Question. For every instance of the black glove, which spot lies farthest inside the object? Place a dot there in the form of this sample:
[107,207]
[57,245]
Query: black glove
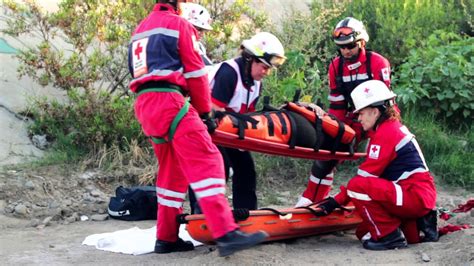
[327,206]
[210,122]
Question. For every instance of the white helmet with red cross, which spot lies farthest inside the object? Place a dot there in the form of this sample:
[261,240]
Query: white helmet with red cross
[197,15]
[349,30]
[371,93]
[267,48]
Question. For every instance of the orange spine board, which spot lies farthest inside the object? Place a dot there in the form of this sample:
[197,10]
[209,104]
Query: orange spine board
[297,223]
[330,126]
[261,132]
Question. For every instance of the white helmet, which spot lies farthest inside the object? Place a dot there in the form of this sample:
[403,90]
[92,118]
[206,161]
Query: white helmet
[349,30]
[371,93]
[266,48]
[196,15]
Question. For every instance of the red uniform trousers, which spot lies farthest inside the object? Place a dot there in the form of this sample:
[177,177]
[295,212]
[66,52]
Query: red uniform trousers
[384,205]
[189,159]
[322,172]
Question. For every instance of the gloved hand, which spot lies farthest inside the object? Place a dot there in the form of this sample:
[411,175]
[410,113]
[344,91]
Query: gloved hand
[327,206]
[210,122]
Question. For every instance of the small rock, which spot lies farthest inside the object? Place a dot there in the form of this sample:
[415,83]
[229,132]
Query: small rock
[67,202]
[51,246]
[84,218]
[21,209]
[95,193]
[40,141]
[47,221]
[425,257]
[35,222]
[99,217]
[54,204]
[70,220]
[30,185]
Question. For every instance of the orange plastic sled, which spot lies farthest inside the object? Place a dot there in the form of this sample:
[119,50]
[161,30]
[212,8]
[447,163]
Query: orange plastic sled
[232,141]
[282,224]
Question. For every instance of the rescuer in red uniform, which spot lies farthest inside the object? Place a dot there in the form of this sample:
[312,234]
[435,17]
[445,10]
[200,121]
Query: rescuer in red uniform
[354,65]
[166,66]
[393,190]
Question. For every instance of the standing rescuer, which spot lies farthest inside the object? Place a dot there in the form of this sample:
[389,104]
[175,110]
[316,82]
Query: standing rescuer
[236,86]
[166,66]
[393,190]
[354,65]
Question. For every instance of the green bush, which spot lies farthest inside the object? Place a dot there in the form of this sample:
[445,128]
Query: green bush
[438,77]
[448,153]
[86,122]
[396,27]
[309,49]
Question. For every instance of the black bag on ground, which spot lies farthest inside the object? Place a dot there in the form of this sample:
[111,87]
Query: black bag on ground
[133,204]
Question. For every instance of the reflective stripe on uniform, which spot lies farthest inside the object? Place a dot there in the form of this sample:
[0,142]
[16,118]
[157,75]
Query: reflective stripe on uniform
[359,196]
[170,203]
[170,193]
[148,33]
[158,72]
[208,187]
[398,194]
[323,181]
[355,77]
[336,98]
[365,173]
[195,74]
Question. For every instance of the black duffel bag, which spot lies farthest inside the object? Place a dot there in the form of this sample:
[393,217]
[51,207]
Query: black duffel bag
[133,204]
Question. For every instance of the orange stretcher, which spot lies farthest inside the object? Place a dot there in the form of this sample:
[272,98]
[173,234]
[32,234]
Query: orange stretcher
[230,140]
[280,224]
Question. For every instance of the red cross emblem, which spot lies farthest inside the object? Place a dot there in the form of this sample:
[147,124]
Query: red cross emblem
[366,90]
[138,51]
[375,148]
[374,151]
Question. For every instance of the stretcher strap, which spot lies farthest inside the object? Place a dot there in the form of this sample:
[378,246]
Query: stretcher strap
[271,125]
[292,142]
[284,126]
[318,126]
[340,132]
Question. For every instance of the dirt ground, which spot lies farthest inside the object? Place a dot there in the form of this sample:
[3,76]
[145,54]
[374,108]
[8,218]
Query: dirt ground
[40,222]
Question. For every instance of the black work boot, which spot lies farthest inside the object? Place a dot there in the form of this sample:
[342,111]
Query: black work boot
[238,240]
[428,224]
[168,247]
[390,241]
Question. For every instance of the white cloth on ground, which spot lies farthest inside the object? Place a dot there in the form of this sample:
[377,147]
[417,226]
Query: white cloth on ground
[133,241]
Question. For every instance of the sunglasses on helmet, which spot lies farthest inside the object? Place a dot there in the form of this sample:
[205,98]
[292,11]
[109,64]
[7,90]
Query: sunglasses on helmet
[347,46]
[342,31]
[272,60]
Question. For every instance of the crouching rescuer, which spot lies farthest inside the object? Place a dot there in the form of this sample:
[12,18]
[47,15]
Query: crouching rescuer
[393,190]
[166,67]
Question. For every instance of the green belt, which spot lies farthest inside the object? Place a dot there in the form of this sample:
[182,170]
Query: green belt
[176,119]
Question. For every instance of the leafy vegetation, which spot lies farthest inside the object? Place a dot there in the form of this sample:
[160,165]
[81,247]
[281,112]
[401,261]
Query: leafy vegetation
[439,77]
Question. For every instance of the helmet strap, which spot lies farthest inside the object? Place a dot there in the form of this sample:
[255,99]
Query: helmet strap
[247,79]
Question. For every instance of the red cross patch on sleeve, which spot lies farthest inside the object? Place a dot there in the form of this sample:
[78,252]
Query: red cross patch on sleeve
[374,151]
[139,57]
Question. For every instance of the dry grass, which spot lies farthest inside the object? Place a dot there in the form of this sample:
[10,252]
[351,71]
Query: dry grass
[133,160]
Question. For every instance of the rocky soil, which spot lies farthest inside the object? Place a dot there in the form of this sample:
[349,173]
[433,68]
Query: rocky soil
[46,213]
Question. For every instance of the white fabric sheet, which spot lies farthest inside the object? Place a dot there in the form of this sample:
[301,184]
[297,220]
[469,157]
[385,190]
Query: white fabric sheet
[133,241]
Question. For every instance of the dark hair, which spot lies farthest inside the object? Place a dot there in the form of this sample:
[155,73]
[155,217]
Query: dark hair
[174,3]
